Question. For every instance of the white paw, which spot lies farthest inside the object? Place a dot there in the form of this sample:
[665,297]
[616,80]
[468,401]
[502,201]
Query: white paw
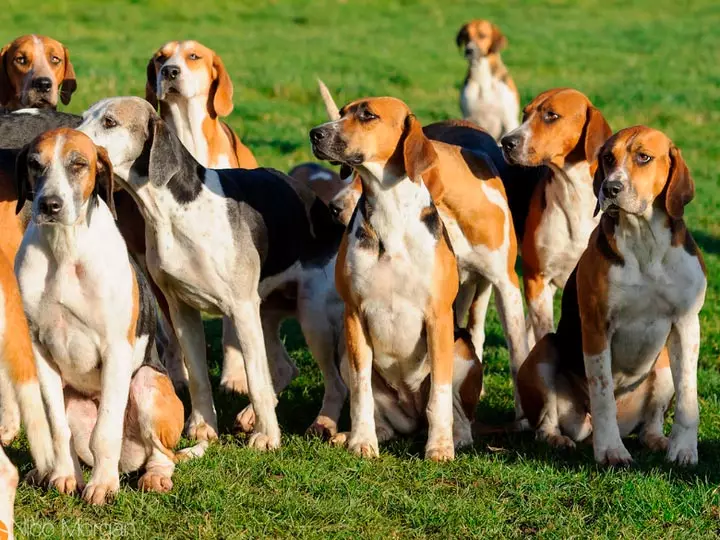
[614,455]
[155,482]
[682,448]
[199,430]
[323,427]
[9,429]
[66,483]
[245,420]
[263,442]
[98,492]
[441,449]
[364,446]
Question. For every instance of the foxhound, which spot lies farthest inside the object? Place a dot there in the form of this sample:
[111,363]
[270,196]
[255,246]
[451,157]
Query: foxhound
[194,91]
[396,270]
[34,72]
[93,320]
[218,241]
[629,333]
[562,130]
[488,96]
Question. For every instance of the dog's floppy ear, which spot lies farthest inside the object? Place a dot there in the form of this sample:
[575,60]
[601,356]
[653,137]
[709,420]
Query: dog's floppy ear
[598,179]
[151,83]
[419,157]
[499,41]
[104,175]
[680,187]
[462,36]
[6,88]
[69,84]
[596,132]
[221,89]
[22,182]
[165,147]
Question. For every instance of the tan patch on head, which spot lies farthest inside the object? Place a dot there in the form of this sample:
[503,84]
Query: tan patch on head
[29,57]
[16,348]
[561,121]
[485,35]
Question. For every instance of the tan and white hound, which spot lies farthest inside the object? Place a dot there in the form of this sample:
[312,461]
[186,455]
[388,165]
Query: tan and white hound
[93,319]
[629,335]
[34,72]
[488,96]
[564,131]
[194,91]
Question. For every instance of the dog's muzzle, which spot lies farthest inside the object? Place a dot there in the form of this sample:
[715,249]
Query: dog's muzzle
[511,146]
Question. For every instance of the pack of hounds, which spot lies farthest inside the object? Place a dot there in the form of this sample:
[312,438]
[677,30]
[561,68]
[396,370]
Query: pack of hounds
[121,227]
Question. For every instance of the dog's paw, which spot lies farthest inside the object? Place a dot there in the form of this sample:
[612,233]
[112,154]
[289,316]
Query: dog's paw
[614,455]
[155,482]
[237,384]
[245,420]
[560,442]
[340,439]
[65,484]
[682,446]
[201,431]
[99,492]
[440,450]
[323,427]
[9,430]
[263,442]
[655,442]
[364,447]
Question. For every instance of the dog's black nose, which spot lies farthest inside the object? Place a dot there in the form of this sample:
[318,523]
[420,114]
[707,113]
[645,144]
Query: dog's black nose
[509,142]
[170,72]
[317,135]
[335,209]
[50,205]
[42,84]
[612,188]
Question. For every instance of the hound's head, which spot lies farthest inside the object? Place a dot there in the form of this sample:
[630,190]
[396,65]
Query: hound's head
[64,170]
[639,169]
[139,143]
[480,38]
[557,125]
[181,70]
[34,71]
[377,134]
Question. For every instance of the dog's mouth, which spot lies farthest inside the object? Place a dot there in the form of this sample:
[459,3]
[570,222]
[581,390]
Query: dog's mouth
[40,103]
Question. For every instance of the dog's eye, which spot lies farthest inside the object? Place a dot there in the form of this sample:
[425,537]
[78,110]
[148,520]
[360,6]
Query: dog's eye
[365,115]
[55,60]
[78,166]
[160,58]
[33,163]
[193,56]
[550,116]
[608,159]
[642,158]
[109,122]
[21,60]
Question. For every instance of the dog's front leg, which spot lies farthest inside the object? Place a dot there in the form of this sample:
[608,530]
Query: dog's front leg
[440,446]
[107,437]
[246,318]
[684,346]
[9,411]
[363,438]
[202,424]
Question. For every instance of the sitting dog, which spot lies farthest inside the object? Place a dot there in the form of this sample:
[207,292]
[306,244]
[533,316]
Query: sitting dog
[562,130]
[629,333]
[218,241]
[194,91]
[488,97]
[34,71]
[93,321]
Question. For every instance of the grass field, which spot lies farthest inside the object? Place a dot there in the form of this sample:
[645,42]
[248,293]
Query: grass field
[650,61]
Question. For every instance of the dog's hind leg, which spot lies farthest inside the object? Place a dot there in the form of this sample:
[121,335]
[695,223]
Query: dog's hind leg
[234,376]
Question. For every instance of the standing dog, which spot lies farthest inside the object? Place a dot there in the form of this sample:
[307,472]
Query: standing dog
[194,91]
[93,321]
[563,130]
[34,72]
[629,334]
[217,241]
[488,96]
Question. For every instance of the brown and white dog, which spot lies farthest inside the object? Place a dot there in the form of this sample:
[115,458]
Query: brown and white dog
[393,269]
[488,96]
[34,72]
[93,319]
[194,91]
[629,334]
[564,131]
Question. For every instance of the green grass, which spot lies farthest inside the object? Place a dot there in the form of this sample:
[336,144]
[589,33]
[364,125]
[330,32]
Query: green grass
[650,61]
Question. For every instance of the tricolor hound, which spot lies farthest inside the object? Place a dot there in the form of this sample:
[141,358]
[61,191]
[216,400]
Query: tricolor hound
[629,333]
[488,97]
[92,321]
[194,91]
[34,72]
[218,241]
[564,131]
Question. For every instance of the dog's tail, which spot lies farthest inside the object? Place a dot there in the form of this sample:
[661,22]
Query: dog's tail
[18,366]
[331,107]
